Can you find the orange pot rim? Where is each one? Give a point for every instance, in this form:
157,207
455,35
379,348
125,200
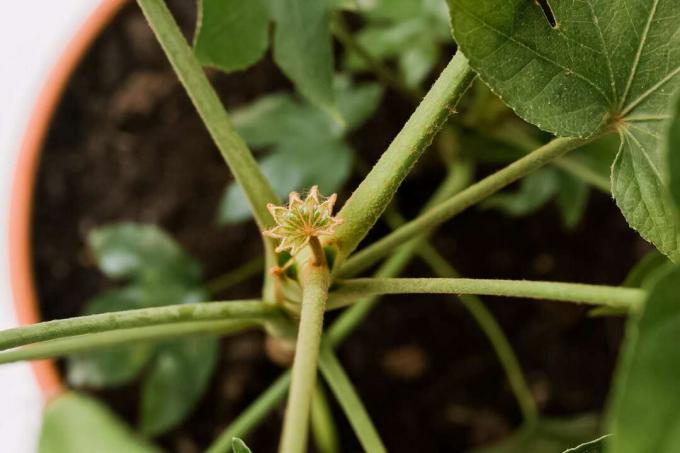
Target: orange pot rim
23,185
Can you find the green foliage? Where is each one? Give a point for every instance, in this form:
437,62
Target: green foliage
233,35
175,374
673,152
238,446
603,66
304,142
75,423
642,414
177,381
411,32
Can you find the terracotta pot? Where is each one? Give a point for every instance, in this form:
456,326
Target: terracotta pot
21,269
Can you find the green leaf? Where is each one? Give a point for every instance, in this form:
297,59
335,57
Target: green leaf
75,423
142,252
594,446
231,34
643,411
115,366
410,31
176,382
303,48
673,152
549,435
308,147
238,446
606,64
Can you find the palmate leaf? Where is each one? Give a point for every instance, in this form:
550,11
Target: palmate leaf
234,34
307,147
605,65
174,374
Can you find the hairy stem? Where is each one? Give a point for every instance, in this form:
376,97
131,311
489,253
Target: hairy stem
374,193
94,341
315,281
234,150
351,404
145,317
609,296
460,202
494,333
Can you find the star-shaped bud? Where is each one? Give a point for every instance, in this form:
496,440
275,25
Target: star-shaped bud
302,220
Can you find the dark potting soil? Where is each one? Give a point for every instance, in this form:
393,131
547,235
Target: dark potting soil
126,144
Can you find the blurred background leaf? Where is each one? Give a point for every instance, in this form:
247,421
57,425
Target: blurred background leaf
159,272
306,146
75,423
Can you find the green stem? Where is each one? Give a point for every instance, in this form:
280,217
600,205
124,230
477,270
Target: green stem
240,160
248,419
94,341
493,332
324,431
232,278
460,202
315,281
457,178
351,404
374,193
207,311
234,150
609,296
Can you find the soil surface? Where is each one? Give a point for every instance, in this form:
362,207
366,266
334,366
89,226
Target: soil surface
126,144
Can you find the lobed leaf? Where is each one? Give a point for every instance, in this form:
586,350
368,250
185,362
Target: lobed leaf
605,64
303,48
307,146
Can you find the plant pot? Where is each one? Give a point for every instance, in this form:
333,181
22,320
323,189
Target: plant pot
22,198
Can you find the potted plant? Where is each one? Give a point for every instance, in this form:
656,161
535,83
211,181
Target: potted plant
598,88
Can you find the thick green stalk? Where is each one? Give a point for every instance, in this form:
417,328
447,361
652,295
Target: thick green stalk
351,404
145,317
324,432
234,150
374,193
494,333
315,281
460,202
342,327
251,417
609,296
240,160
95,341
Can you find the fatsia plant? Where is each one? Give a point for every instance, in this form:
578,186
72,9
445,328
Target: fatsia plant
578,70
